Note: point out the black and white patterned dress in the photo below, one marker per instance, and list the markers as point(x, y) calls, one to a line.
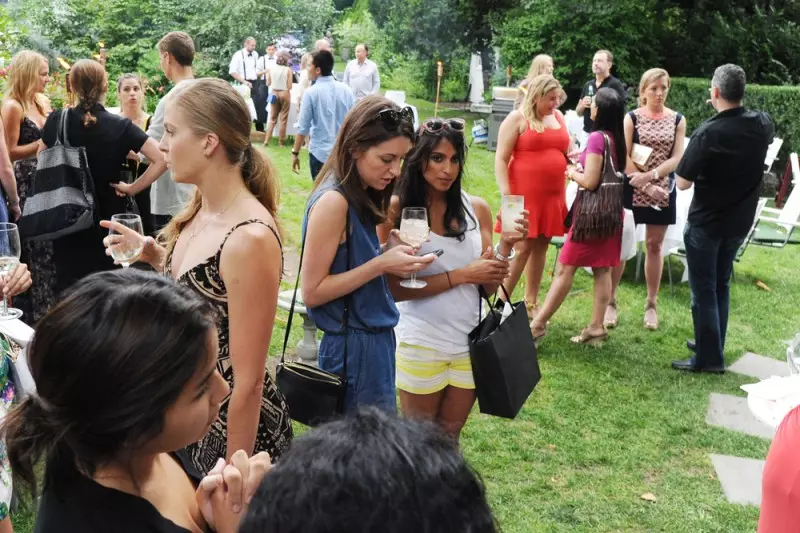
point(274, 426)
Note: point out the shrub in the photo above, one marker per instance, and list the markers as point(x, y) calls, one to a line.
point(782, 102)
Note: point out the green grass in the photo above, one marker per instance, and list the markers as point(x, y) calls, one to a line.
point(607, 425)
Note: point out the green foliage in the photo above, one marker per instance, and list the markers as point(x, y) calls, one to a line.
point(688, 95)
point(9, 35)
point(571, 33)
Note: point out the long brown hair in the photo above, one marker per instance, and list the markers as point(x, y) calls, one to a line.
point(362, 129)
point(23, 80)
point(87, 79)
point(212, 105)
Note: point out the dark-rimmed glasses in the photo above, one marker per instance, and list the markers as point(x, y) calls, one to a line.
point(392, 118)
point(435, 126)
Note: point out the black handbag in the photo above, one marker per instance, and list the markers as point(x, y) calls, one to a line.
point(627, 188)
point(313, 395)
point(505, 364)
point(597, 213)
point(61, 199)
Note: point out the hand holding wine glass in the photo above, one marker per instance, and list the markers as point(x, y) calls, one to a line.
point(10, 250)
point(126, 246)
point(414, 231)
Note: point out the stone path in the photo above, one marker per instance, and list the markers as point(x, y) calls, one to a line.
point(741, 477)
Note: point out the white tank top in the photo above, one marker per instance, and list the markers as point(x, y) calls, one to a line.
point(443, 322)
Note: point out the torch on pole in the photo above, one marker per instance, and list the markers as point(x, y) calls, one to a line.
point(439, 74)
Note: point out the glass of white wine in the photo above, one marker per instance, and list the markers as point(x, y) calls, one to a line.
point(414, 230)
point(126, 246)
point(10, 250)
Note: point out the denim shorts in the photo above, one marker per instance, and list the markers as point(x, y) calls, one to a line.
point(370, 367)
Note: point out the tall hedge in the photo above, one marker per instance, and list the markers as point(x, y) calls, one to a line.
point(782, 102)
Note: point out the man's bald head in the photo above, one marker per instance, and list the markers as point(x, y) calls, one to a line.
point(322, 44)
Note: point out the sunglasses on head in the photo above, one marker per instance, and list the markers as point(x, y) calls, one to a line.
point(436, 125)
point(392, 118)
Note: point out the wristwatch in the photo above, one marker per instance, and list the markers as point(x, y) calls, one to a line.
point(295, 153)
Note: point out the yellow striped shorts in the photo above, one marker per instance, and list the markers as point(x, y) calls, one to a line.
point(423, 370)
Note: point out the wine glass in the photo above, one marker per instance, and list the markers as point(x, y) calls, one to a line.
point(10, 250)
point(669, 189)
point(125, 246)
point(414, 231)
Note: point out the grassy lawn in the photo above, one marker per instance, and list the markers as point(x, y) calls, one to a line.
point(608, 425)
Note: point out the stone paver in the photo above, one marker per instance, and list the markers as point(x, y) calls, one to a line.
point(760, 367)
point(731, 412)
point(740, 478)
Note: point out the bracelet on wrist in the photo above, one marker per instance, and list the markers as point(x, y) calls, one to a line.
point(295, 153)
point(501, 257)
point(449, 281)
point(655, 174)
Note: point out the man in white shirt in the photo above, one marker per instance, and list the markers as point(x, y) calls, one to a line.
point(260, 90)
point(361, 74)
point(243, 69)
point(167, 198)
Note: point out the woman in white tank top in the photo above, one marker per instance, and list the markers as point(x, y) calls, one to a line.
point(434, 374)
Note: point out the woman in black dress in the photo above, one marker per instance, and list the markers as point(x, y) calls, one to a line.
point(108, 139)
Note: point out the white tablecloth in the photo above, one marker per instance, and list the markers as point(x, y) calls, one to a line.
point(291, 126)
point(770, 400)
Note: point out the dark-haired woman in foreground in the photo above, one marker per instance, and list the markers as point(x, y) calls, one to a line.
point(608, 111)
point(434, 373)
point(125, 370)
point(380, 474)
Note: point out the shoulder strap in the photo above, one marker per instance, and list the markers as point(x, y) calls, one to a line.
point(608, 156)
point(345, 315)
point(245, 223)
point(61, 136)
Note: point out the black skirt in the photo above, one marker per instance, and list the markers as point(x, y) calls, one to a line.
point(664, 217)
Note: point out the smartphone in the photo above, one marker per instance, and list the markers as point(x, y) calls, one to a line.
point(438, 253)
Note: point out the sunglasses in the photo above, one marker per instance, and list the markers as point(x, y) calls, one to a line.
point(435, 126)
point(392, 118)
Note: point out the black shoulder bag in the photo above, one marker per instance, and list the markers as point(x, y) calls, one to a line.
point(313, 395)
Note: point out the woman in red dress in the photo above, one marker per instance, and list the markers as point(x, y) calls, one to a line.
point(780, 483)
point(607, 112)
point(530, 161)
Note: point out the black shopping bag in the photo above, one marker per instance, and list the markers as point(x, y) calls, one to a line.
point(504, 361)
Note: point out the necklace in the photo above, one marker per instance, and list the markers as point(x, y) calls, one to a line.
point(214, 218)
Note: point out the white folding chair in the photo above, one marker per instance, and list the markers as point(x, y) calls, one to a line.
point(776, 232)
point(772, 153)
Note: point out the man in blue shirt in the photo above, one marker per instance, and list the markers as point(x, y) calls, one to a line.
point(322, 112)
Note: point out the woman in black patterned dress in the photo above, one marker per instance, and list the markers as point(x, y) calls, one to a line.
point(25, 110)
point(225, 245)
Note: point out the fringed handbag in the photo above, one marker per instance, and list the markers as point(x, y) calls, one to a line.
point(598, 212)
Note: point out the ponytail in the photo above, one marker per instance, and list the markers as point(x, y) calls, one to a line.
point(29, 435)
point(259, 175)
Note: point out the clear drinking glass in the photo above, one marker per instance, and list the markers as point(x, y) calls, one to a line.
point(414, 230)
point(670, 188)
point(510, 211)
point(126, 246)
point(10, 250)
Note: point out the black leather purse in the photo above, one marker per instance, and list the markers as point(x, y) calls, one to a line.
point(313, 395)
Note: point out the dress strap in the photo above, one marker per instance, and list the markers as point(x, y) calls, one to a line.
point(245, 223)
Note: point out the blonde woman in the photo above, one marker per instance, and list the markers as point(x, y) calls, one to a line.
point(25, 111)
point(279, 79)
point(131, 97)
point(531, 160)
point(661, 129)
point(237, 263)
point(541, 64)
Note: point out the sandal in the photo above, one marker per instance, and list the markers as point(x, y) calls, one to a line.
point(650, 322)
point(590, 340)
point(542, 333)
point(610, 318)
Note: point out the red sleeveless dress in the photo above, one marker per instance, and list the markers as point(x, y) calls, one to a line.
point(537, 172)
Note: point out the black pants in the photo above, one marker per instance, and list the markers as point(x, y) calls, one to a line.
point(259, 94)
point(159, 221)
point(315, 165)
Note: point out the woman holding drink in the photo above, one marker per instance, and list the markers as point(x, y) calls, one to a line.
point(531, 159)
point(344, 287)
point(434, 373)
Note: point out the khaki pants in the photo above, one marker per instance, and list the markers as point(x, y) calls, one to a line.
point(279, 110)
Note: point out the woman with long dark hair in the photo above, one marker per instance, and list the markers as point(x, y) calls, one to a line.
point(434, 373)
point(601, 254)
point(125, 372)
point(351, 197)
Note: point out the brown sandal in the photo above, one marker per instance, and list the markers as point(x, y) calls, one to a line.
point(542, 333)
point(610, 320)
point(590, 340)
point(650, 324)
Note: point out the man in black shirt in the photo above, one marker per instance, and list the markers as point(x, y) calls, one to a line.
point(725, 162)
point(601, 66)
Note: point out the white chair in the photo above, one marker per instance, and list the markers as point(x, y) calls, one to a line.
point(772, 153)
point(777, 231)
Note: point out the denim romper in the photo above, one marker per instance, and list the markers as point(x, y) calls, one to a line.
point(373, 316)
